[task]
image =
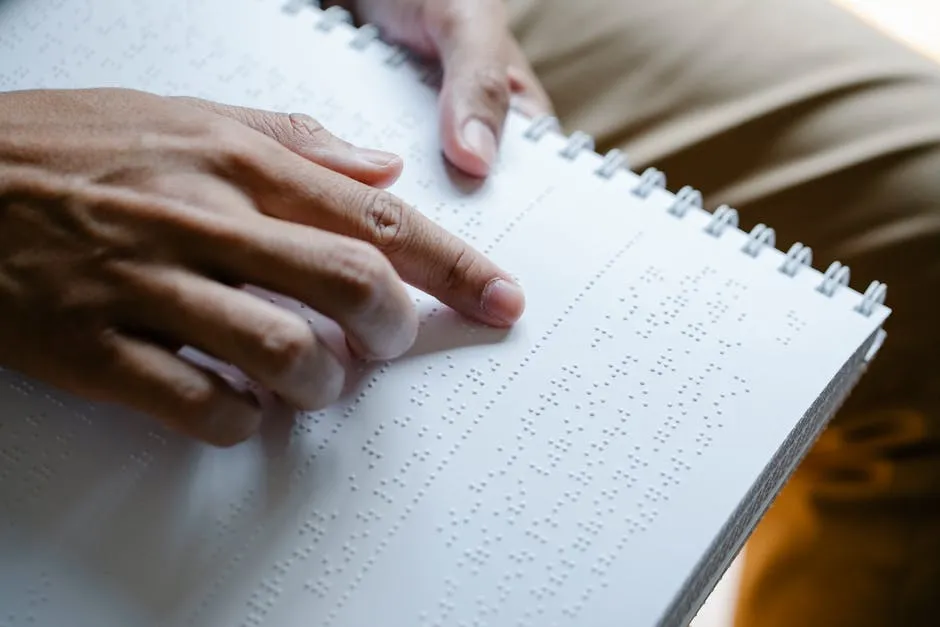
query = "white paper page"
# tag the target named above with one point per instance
(570, 471)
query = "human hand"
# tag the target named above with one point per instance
(129, 222)
(484, 68)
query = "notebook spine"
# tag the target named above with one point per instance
(686, 199)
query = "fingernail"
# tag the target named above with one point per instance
(503, 300)
(480, 139)
(376, 157)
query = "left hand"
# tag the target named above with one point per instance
(484, 68)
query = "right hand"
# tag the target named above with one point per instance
(129, 222)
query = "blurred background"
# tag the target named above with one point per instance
(917, 24)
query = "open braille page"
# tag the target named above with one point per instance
(577, 469)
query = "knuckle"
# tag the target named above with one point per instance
(460, 266)
(305, 127)
(363, 274)
(287, 344)
(385, 218)
(274, 125)
(493, 87)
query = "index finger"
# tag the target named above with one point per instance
(422, 252)
(286, 186)
(433, 259)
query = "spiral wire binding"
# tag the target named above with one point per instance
(650, 179)
(540, 126)
(836, 275)
(333, 16)
(399, 57)
(614, 161)
(293, 7)
(759, 237)
(365, 35)
(687, 198)
(798, 255)
(874, 296)
(578, 141)
(723, 217)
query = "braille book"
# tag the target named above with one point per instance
(598, 464)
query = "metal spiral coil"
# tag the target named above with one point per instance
(332, 17)
(614, 161)
(365, 35)
(578, 142)
(836, 275)
(723, 218)
(761, 236)
(686, 198)
(798, 256)
(650, 179)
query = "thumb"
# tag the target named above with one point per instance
(303, 135)
(471, 41)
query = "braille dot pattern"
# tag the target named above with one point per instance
(520, 477)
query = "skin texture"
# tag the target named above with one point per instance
(130, 222)
(484, 70)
